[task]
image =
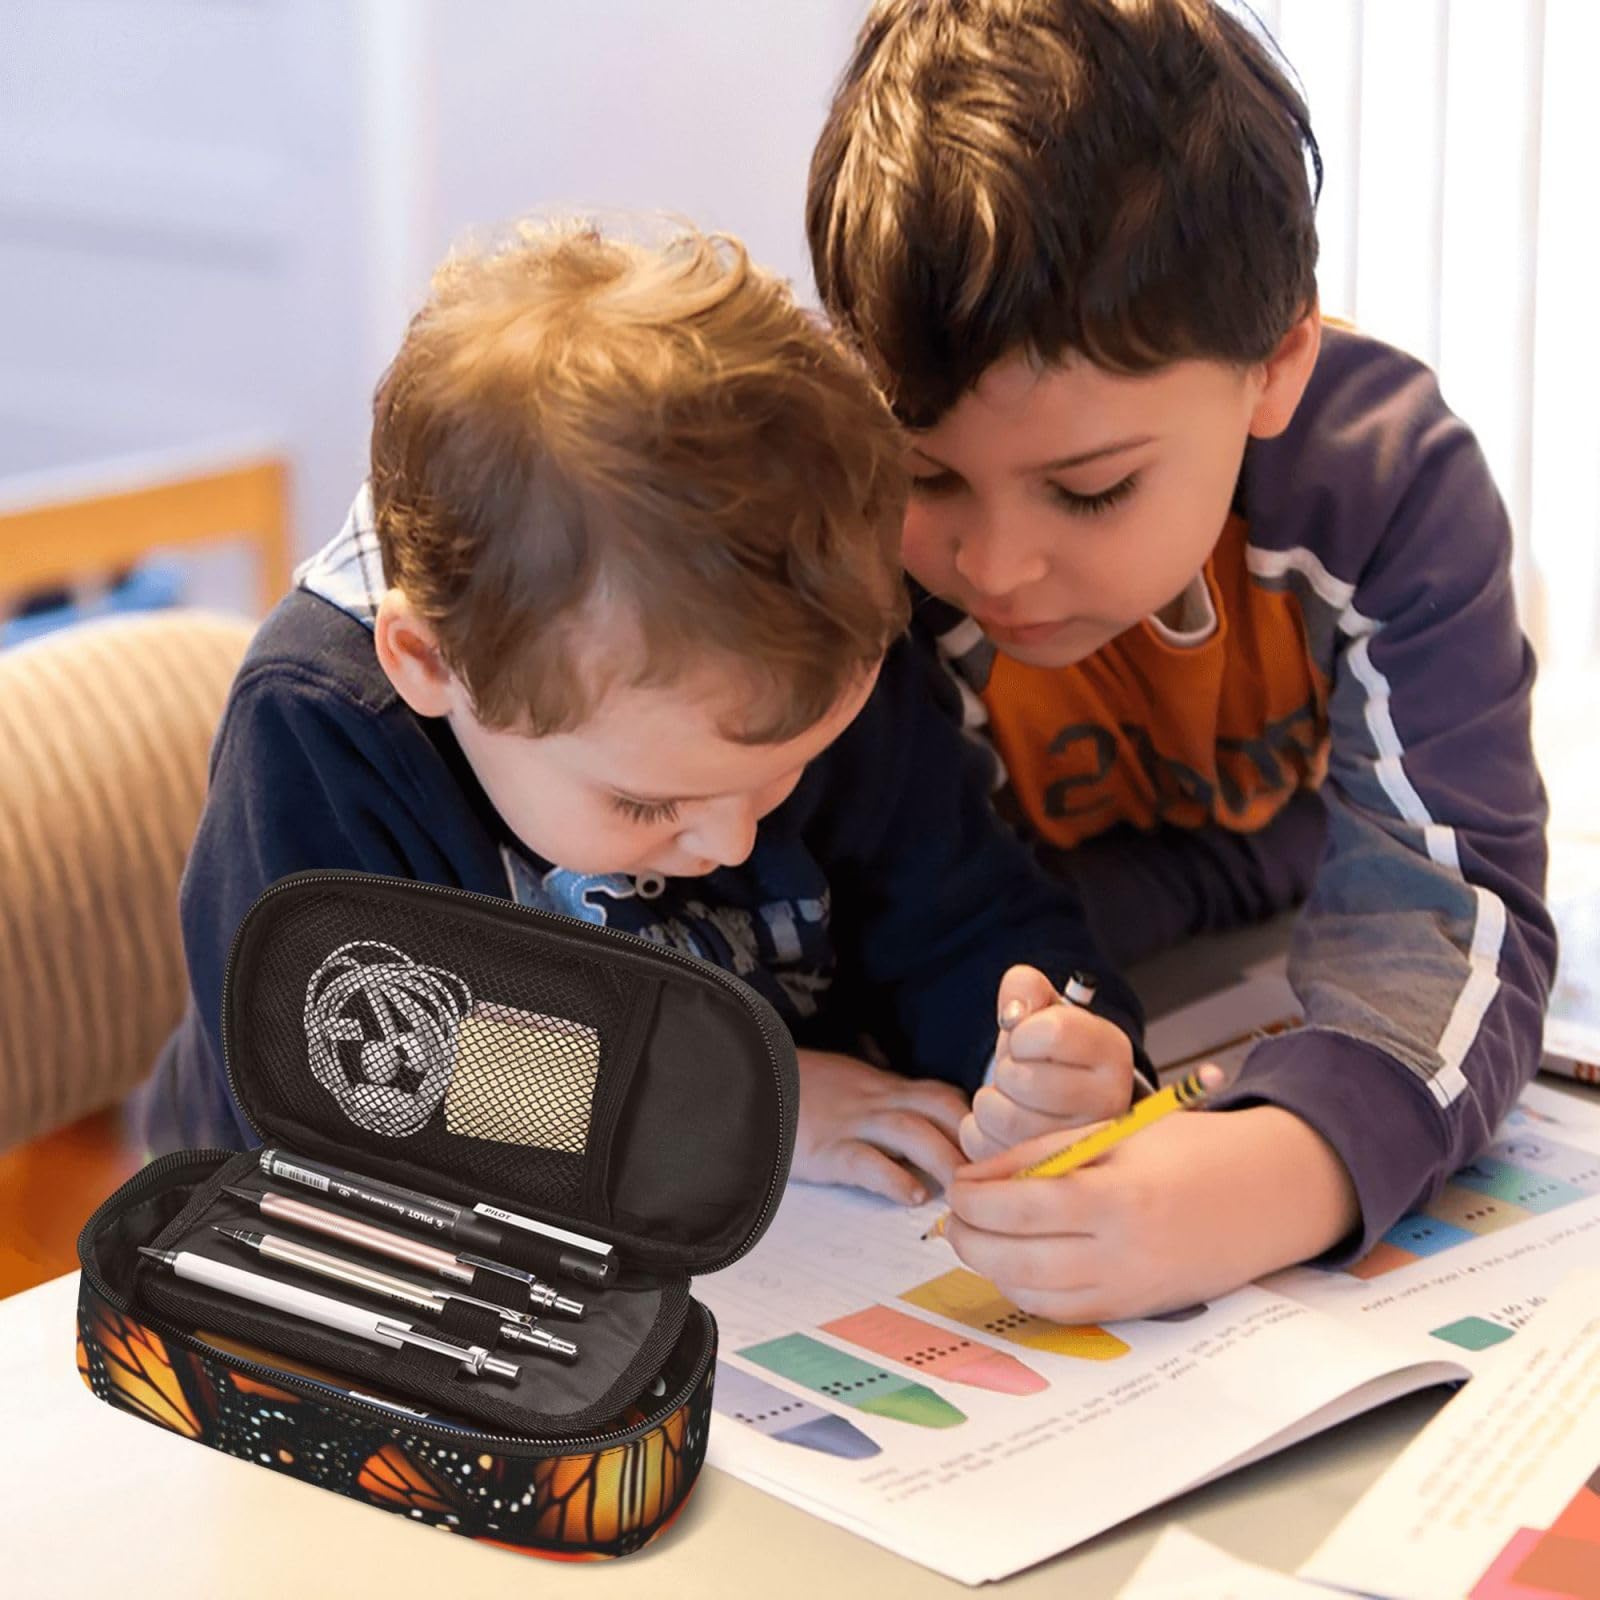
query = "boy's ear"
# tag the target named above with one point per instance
(1287, 372)
(409, 654)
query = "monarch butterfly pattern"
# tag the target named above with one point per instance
(585, 1506)
(124, 1362)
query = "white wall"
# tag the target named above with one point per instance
(482, 110)
(216, 215)
(175, 265)
(1459, 221)
(479, 111)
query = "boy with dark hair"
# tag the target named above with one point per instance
(613, 631)
(1229, 590)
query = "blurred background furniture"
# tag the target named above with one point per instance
(105, 730)
(59, 528)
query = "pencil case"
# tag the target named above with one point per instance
(496, 1057)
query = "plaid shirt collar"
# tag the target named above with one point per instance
(348, 570)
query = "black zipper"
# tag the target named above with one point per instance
(516, 1444)
(567, 928)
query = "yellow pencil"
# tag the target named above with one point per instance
(1192, 1091)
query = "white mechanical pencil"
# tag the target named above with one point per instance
(325, 1310)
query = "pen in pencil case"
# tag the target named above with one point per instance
(1192, 1091)
(518, 1330)
(578, 1256)
(325, 1310)
(457, 1267)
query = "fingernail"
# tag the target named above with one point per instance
(1012, 1013)
(918, 1196)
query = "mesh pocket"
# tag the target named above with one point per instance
(431, 1032)
(545, 1099)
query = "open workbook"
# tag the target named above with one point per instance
(869, 1378)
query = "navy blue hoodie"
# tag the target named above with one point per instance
(883, 897)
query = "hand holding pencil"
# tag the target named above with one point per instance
(1185, 1209)
(1056, 1065)
(1191, 1091)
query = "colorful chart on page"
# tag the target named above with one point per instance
(966, 1298)
(786, 1417)
(1561, 1562)
(1473, 1333)
(852, 1382)
(1523, 1174)
(935, 1350)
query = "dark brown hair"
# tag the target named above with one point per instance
(596, 462)
(1124, 179)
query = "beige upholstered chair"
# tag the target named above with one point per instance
(105, 730)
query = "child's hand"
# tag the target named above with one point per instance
(1059, 1067)
(863, 1126)
(1190, 1208)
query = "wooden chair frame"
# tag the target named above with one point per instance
(59, 529)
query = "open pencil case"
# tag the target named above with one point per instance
(482, 1053)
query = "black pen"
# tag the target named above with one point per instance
(575, 1254)
(456, 1267)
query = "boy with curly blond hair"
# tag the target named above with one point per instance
(614, 629)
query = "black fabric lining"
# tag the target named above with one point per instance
(609, 1100)
(402, 1032)
(629, 1329)
(685, 1070)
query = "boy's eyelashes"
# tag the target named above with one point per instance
(1092, 504)
(934, 485)
(645, 810)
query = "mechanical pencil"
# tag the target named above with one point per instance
(324, 1310)
(458, 1267)
(520, 1330)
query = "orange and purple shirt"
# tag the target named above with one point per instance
(1359, 635)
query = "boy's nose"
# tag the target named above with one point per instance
(994, 562)
(725, 832)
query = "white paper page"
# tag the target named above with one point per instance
(1499, 1497)
(1185, 1567)
(1456, 1283)
(1368, 1397)
(973, 1474)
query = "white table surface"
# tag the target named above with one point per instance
(97, 1503)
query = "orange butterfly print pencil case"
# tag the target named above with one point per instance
(454, 1281)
